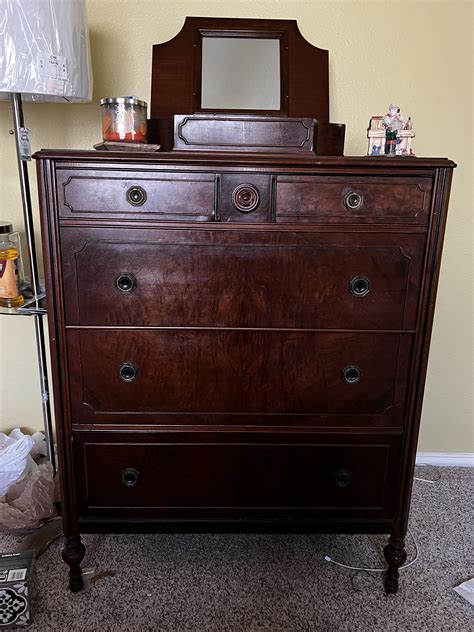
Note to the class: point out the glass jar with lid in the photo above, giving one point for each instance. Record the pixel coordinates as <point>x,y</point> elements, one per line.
<point>10,264</point>
<point>124,119</point>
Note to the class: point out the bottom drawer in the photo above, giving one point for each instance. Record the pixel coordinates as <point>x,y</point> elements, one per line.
<point>236,476</point>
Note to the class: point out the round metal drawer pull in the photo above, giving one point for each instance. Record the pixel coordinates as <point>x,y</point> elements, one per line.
<point>351,374</point>
<point>130,476</point>
<point>343,478</point>
<point>360,286</point>
<point>245,198</point>
<point>353,200</point>
<point>126,283</point>
<point>136,196</point>
<point>128,372</point>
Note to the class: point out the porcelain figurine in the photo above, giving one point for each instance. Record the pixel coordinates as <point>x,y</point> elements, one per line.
<point>393,120</point>
<point>390,135</point>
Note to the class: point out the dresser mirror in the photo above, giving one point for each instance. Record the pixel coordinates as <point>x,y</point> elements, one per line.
<point>240,73</point>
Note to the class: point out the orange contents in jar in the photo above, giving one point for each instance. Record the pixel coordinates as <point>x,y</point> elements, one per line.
<point>136,137</point>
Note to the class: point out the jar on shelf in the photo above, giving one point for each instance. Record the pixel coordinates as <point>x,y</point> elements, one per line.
<point>124,119</point>
<point>10,264</point>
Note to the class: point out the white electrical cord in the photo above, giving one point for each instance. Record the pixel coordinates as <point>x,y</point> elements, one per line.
<point>377,570</point>
<point>383,570</point>
<point>426,480</point>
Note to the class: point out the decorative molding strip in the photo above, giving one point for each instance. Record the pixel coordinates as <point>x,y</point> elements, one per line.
<point>446,459</point>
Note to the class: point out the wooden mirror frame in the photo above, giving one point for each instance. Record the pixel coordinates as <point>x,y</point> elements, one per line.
<point>177,68</point>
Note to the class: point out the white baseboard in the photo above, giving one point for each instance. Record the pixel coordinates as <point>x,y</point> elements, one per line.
<point>457,459</point>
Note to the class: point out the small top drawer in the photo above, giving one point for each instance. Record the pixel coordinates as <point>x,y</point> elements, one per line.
<point>341,199</point>
<point>127,194</point>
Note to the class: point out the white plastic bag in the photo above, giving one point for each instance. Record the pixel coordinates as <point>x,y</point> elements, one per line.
<point>29,502</point>
<point>26,488</point>
<point>14,453</point>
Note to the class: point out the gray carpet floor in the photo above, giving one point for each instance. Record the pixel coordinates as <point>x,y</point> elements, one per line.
<point>271,582</point>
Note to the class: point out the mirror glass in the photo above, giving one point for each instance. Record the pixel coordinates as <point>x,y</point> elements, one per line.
<point>240,73</point>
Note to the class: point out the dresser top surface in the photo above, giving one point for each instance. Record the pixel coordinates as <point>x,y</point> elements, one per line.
<point>242,159</point>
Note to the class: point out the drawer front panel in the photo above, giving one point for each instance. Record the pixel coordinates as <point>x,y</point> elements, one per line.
<point>125,375</point>
<point>227,475</point>
<point>160,278</point>
<point>342,199</point>
<point>128,195</point>
<point>245,198</point>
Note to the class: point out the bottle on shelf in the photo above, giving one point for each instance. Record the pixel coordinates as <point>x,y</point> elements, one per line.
<point>9,268</point>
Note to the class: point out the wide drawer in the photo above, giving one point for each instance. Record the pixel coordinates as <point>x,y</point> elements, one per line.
<point>231,376</point>
<point>240,476</point>
<point>348,199</point>
<point>219,278</point>
<point>126,194</point>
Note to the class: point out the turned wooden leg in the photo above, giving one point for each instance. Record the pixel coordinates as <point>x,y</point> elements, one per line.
<point>73,554</point>
<point>396,556</point>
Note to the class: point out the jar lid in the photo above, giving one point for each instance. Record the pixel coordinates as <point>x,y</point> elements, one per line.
<point>5,228</point>
<point>126,100</point>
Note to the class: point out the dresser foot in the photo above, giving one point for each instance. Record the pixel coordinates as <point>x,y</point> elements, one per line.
<point>73,554</point>
<point>396,556</point>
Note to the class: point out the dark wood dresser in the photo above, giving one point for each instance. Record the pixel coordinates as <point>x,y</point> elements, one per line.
<point>239,342</point>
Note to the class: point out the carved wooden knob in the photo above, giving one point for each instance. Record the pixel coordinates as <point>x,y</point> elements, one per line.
<point>245,198</point>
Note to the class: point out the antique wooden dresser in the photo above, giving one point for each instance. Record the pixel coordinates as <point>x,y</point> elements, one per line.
<point>239,339</point>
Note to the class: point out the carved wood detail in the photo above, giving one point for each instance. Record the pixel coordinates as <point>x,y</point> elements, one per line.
<point>396,556</point>
<point>73,554</point>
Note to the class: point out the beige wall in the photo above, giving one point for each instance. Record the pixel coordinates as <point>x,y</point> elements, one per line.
<point>417,54</point>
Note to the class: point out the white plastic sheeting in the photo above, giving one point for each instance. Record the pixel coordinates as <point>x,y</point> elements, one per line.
<point>14,452</point>
<point>44,50</point>
<point>26,487</point>
<point>16,456</point>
